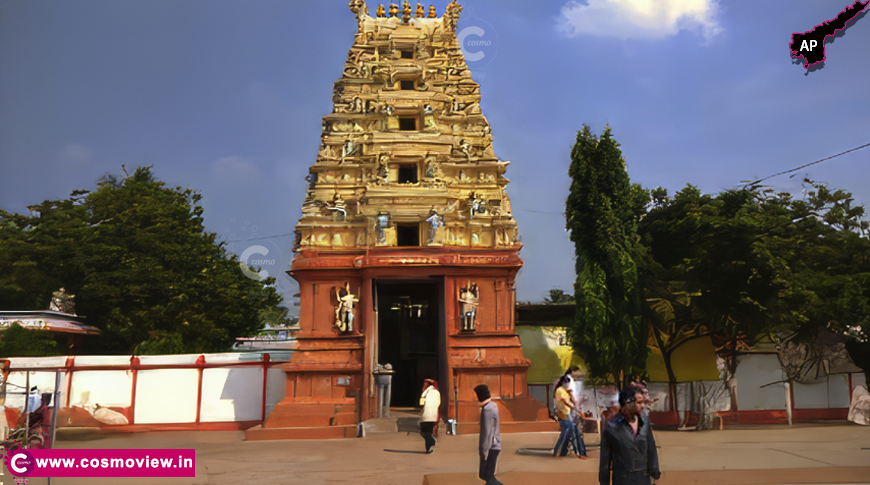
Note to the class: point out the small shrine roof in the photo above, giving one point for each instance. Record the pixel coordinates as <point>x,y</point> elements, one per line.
<point>47,320</point>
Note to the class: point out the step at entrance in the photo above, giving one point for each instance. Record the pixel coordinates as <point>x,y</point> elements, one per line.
<point>398,424</point>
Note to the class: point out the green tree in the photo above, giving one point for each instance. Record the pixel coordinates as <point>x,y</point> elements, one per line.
<point>558,297</point>
<point>713,270</point>
<point>751,263</point>
<point>602,211</point>
<point>144,271</point>
<point>17,341</point>
<point>277,316</point>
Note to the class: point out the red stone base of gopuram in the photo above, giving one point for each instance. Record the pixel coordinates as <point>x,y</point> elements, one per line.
<point>407,313</point>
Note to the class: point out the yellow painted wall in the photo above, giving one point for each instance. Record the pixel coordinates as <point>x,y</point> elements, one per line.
<point>693,361</point>
<point>549,358</point>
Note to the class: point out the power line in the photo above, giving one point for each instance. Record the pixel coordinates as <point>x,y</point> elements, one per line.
<point>753,182</point>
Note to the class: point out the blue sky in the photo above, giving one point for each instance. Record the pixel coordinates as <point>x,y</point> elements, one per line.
<point>226,97</point>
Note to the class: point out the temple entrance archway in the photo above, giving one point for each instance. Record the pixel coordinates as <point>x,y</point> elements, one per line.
<point>411,335</point>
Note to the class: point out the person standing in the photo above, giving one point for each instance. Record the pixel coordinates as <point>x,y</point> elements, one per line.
<point>628,448</point>
<point>431,401</point>
<point>489,445</point>
<point>565,411</point>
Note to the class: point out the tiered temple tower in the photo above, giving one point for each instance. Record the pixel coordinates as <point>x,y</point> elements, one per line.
<point>407,250</point>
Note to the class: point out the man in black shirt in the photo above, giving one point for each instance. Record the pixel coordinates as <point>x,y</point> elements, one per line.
<point>628,448</point>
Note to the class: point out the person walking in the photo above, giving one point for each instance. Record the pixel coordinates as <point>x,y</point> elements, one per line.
<point>566,412</point>
<point>431,401</point>
<point>489,445</point>
<point>628,448</point>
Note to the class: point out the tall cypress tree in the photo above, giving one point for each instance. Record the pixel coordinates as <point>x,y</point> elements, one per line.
<point>602,211</point>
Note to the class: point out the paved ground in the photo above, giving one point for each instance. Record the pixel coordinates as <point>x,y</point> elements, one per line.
<point>760,455</point>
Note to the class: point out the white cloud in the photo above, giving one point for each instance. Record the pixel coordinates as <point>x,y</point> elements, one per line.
<point>75,153</point>
<point>639,19</point>
<point>234,170</point>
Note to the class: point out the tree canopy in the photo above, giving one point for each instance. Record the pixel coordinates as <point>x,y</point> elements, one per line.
<point>750,263</point>
<point>142,267</point>
<point>737,266</point>
<point>602,212</point>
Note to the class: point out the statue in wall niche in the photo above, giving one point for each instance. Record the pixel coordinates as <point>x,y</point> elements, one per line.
<point>326,152</point>
<point>361,200</point>
<point>351,148</point>
<point>337,207</point>
<point>383,224</point>
<point>356,106</point>
<point>344,310</point>
<point>429,123</point>
<point>435,221</point>
<point>476,205</point>
<point>502,236</point>
<point>341,127</point>
<point>464,149</point>
<point>380,12</point>
<point>468,302</point>
<point>382,177</point>
<point>392,122</point>
<point>433,169</point>
<point>297,241</point>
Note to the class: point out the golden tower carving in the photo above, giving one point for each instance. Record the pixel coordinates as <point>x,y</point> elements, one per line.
<point>406,155</point>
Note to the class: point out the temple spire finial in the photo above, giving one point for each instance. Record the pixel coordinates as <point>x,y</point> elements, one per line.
<point>451,15</point>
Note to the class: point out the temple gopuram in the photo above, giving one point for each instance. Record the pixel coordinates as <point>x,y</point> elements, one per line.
<point>406,250</point>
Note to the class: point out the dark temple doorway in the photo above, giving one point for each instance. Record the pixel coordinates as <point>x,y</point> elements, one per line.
<point>410,335</point>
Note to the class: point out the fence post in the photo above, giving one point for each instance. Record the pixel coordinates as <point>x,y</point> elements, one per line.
<point>266,360</point>
<point>200,363</point>
<point>134,368</point>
